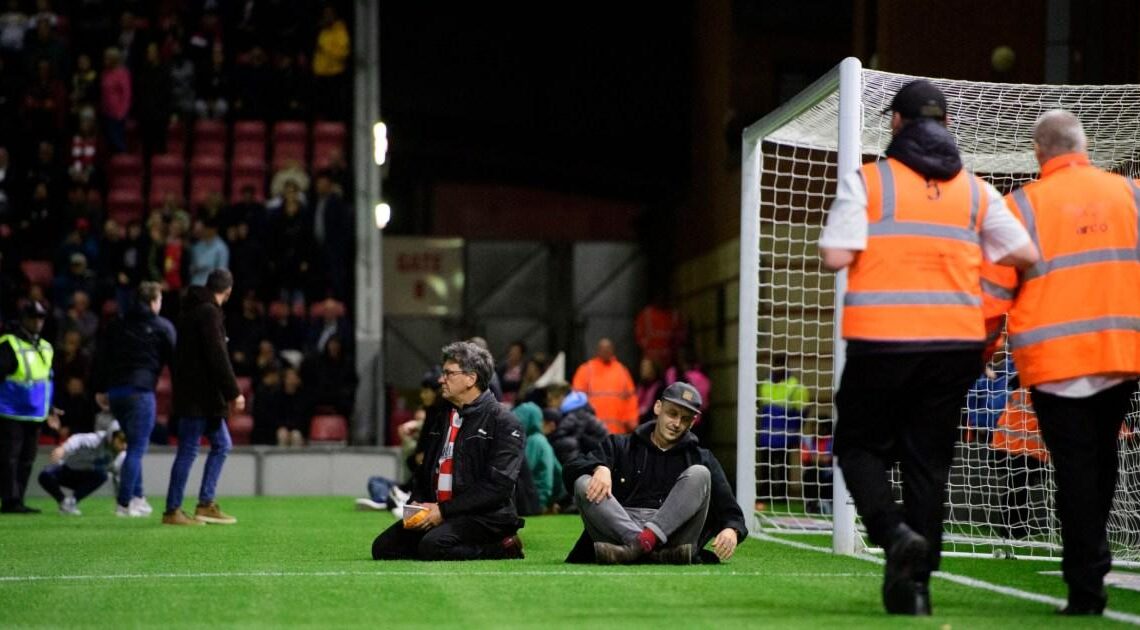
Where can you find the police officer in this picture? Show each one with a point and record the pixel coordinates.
(1075, 333)
(912, 230)
(25, 404)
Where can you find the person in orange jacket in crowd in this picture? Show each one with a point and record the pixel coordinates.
(609, 388)
(1021, 452)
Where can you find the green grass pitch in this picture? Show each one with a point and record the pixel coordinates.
(305, 562)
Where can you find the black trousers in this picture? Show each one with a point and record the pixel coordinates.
(459, 538)
(905, 408)
(1081, 434)
(18, 442)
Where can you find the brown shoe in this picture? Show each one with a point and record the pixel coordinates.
(609, 553)
(513, 548)
(211, 513)
(178, 517)
(681, 554)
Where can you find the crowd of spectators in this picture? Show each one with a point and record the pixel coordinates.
(83, 81)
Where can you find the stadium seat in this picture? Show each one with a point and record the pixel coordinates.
(202, 187)
(164, 394)
(209, 130)
(240, 427)
(247, 171)
(167, 164)
(207, 165)
(125, 205)
(249, 130)
(329, 131)
(245, 386)
(290, 130)
(38, 272)
(328, 428)
(249, 149)
(285, 152)
(161, 185)
(327, 137)
(176, 138)
(209, 148)
(125, 165)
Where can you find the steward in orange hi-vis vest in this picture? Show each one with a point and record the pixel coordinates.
(1085, 223)
(919, 277)
(911, 231)
(1075, 333)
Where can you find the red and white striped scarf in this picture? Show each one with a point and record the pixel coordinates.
(447, 460)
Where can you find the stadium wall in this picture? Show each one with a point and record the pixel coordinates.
(262, 471)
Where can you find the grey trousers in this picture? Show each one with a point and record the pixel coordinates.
(678, 521)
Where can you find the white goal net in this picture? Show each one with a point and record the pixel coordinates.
(1000, 502)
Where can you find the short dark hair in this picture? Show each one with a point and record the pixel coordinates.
(471, 358)
(220, 281)
(149, 291)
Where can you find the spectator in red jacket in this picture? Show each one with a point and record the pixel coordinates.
(115, 99)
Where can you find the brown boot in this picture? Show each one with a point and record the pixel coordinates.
(681, 554)
(609, 553)
(178, 517)
(211, 513)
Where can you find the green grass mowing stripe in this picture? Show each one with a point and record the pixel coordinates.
(304, 561)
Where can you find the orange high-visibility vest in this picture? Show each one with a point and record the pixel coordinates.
(919, 277)
(1077, 312)
(1017, 431)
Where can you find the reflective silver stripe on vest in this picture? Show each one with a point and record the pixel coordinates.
(974, 202)
(910, 298)
(908, 228)
(998, 291)
(1068, 329)
(1082, 258)
(887, 184)
(1030, 220)
(1136, 205)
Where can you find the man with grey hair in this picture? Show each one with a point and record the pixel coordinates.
(1075, 340)
(462, 500)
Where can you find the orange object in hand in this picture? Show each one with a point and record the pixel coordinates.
(413, 520)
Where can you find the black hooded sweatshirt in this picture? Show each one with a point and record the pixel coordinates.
(203, 378)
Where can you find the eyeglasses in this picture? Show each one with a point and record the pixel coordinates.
(450, 373)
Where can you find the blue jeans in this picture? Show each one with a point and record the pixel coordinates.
(190, 431)
(82, 482)
(135, 413)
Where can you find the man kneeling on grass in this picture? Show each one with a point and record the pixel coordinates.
(462, 502)
(655, 495)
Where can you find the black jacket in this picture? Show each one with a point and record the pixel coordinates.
(133, 350)
(928, 148)
(627, 456)
(578, 432)
(488, 455)
(203, 378)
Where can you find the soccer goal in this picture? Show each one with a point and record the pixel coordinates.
(1000, 504)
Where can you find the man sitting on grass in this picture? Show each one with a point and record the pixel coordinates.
(655, 495)
(463, 492)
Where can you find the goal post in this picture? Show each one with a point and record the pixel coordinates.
(1000, 502)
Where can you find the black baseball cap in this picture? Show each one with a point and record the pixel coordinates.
(684, 395)
(919, 99)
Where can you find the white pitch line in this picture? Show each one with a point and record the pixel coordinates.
(965, 581)
(572, 573)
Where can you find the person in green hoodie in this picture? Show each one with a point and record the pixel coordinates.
(544, 466)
